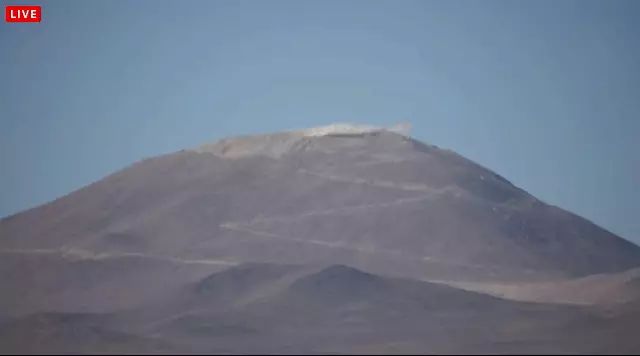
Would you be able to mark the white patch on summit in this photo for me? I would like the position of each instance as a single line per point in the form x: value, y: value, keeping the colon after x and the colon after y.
x: 344, y: 128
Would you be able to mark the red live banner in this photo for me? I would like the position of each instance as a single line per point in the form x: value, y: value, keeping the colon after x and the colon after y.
x: 18, y: 13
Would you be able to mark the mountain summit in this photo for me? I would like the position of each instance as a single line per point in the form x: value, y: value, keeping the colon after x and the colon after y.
x: 277, y: 144
x: 360, y: 197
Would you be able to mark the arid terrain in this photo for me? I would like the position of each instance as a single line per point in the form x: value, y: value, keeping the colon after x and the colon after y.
x: 326, y: 241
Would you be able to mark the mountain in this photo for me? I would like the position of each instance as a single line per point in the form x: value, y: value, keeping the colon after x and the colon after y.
x: 357, y: 238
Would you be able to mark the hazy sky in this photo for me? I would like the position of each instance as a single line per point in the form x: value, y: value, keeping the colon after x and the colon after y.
x: 546, y: 93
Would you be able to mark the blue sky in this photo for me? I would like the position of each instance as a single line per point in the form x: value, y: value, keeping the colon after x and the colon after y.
x: 546, y: 93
